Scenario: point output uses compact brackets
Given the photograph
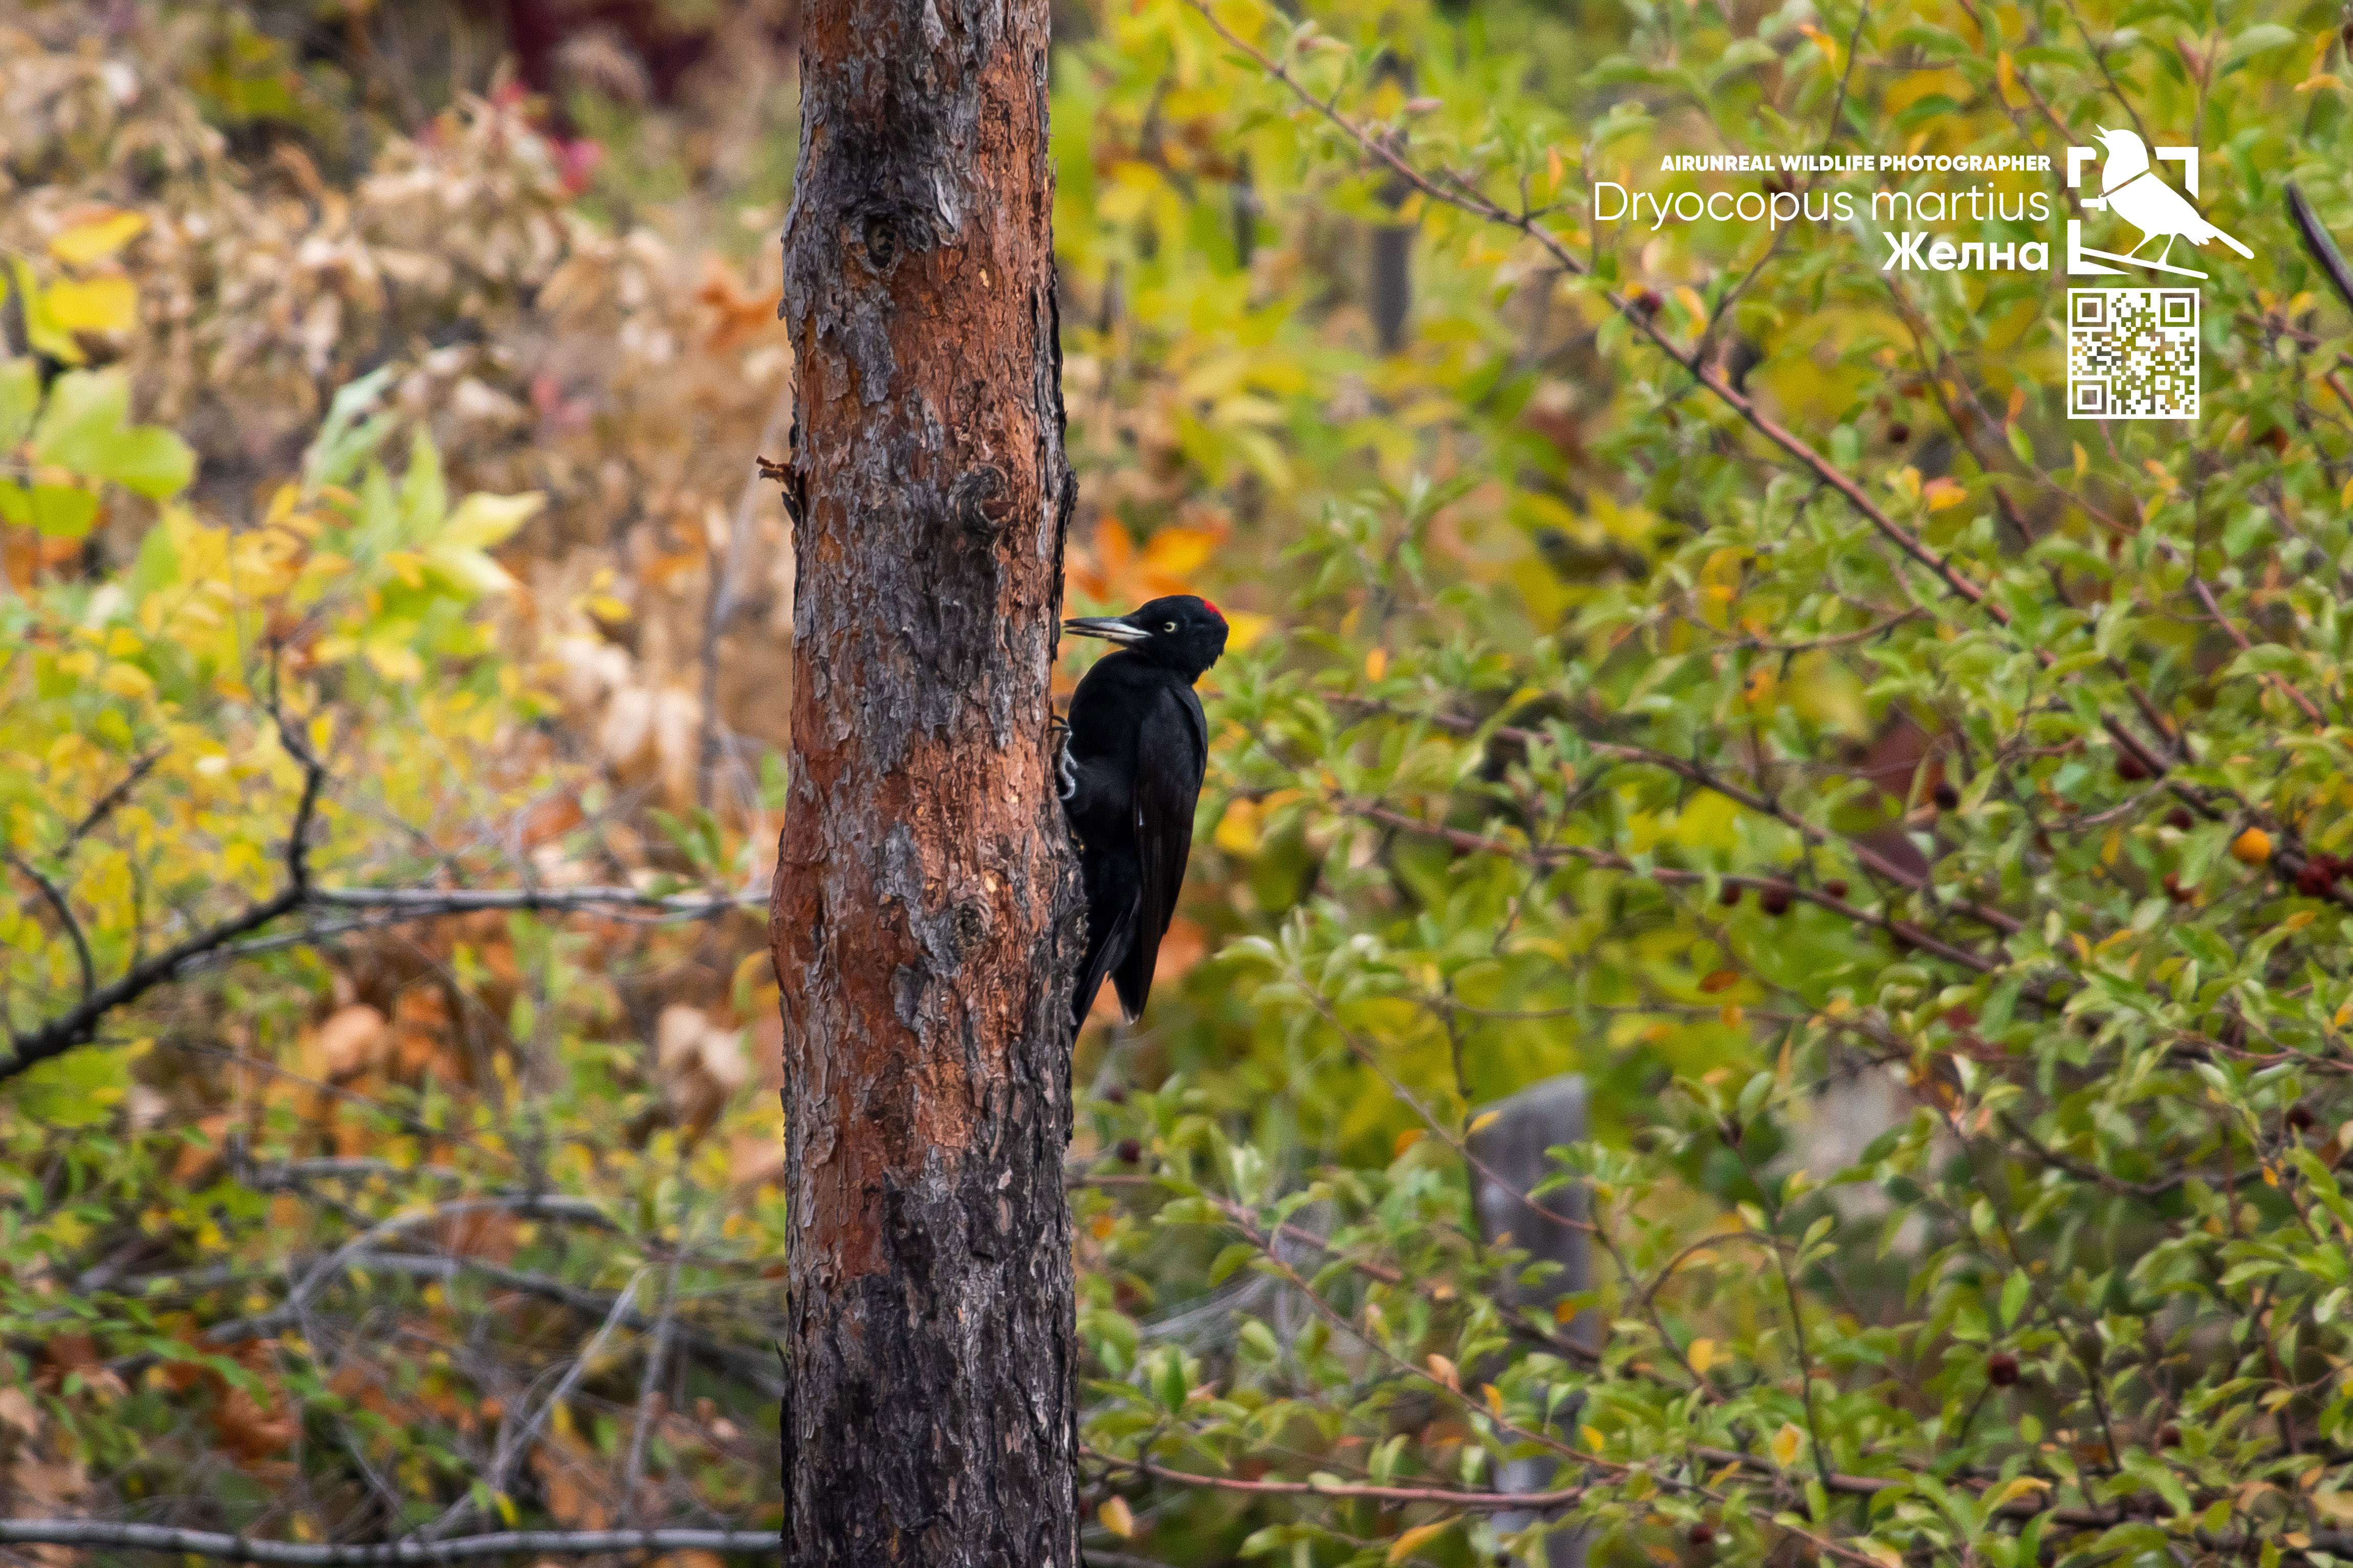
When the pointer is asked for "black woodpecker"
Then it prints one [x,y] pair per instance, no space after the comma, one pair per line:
[1131,770]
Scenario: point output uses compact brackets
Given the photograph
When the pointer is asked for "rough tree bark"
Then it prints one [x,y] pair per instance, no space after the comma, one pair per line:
[926,918]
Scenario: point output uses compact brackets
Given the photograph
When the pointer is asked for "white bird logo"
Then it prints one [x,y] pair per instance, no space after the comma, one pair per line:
[2129,188]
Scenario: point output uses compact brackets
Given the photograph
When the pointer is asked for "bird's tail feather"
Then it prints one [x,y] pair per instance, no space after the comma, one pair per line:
[1133,977]
[1106,945]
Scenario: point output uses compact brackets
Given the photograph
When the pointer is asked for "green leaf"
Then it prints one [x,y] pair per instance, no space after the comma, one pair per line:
[85,427]
[87,408]
[2254,41]
[345,440]
[80,1088]
[20,399]
[1237,1256]
[2013,1298]
[64,512]
[152,461]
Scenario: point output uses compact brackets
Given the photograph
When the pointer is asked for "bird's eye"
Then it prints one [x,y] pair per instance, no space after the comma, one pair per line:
[1169,627]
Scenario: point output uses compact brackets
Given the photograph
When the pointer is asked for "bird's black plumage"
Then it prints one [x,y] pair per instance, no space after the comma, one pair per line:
[1131,767]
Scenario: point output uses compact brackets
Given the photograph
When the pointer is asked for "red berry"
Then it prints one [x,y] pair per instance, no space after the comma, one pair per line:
[1835,887]
[2300,1117]
[1646,303]
[1130,1150]
[1115,1095]
[2002,1369]
[2169,1435]
[1701,1533]
[2180,817]
[1729,895]
[1898,433]
[1774,899]
[2129,768]
[1947,797]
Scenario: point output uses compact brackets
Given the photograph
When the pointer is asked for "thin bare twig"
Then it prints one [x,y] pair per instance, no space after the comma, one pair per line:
[1353,1491]
[229,1548]
[57,901]
[104,806]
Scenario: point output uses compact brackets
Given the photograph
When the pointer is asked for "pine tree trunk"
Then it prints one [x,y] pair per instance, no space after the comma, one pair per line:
[927,918]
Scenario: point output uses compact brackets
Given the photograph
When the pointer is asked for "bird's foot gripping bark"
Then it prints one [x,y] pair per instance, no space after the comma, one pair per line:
[1066,767]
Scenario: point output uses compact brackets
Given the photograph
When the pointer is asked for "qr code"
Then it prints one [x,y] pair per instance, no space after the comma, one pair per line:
[2132,353]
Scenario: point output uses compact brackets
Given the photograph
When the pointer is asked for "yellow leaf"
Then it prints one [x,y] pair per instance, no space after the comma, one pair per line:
[1942,493]
[2015,1487]
[1592,1436]
[1376,663]
[1492,1395]
[1485,1119]
[1787,1445]
[1237,831]
[1405,1545]
[1405,1141]
[1243,629]
[1701,1355]
[98,305]
[1444,1370]
[98,238]
[1179,552]
[1118,1517]
[125,680]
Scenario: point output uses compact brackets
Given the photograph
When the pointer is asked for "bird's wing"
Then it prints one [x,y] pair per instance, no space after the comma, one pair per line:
[1172,750]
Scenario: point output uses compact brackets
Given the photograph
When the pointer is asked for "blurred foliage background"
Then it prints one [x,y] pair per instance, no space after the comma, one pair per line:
[1703,662]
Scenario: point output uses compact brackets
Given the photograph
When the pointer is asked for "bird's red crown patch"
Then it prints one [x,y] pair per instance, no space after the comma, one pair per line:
[1213,609]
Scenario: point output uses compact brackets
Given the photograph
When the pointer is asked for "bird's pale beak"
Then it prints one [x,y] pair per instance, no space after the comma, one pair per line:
[1111,629]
